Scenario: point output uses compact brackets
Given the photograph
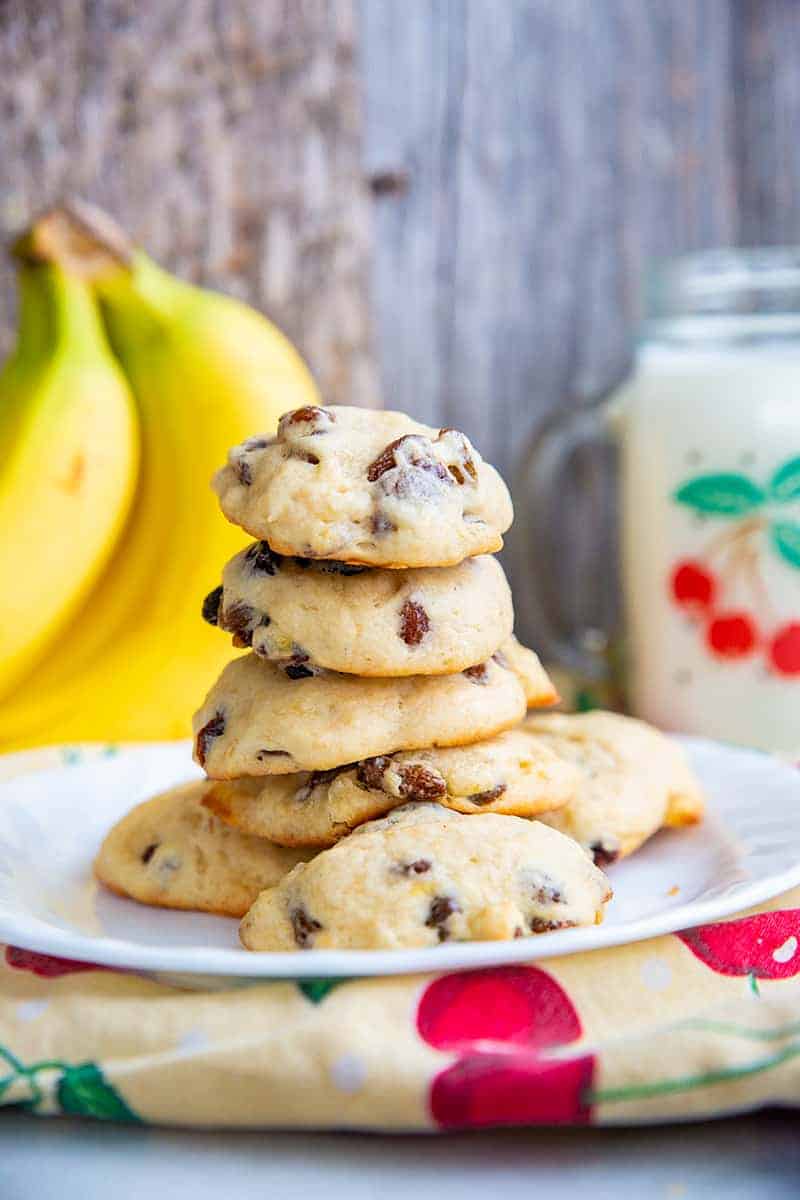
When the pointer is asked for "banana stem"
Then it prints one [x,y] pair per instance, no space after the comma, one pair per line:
[87,245]
[81,238]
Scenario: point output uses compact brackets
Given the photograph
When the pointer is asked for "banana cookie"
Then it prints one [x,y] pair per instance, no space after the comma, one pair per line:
[259,719]
[503,775]
[172,852]
[362,486]
[635,780]
[425,875]
[363,621]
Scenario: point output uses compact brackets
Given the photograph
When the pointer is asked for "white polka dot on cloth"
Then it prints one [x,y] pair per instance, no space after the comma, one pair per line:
[348,1073]
[656,974]
[29,1010]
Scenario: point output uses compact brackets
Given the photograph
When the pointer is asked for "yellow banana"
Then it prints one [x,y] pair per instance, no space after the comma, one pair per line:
[206,372]
[69,449]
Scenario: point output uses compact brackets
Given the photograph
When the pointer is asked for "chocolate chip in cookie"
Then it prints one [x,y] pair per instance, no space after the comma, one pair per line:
[481,798]
[603,855]
[370,772]
[211,730]
[262,560]
[442,908]
[333,567]
[211,606]
[315,780]
[465,464]
[414,622]
[299,665]
[477,674]
[539,925]
[319,418]
[242,620]
[304,927]
[420,866]
[420,783]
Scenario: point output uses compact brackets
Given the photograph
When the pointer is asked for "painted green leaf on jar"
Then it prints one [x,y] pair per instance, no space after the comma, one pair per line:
[725,494]
[786,540]
[785,483]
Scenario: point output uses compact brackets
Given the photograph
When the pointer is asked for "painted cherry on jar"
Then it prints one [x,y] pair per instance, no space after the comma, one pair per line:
[501,1022]
[784,649]
[732,635]
[754,522]
[693,585]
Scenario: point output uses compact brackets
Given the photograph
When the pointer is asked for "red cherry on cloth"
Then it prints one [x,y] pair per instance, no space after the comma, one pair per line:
[732,635]
[512,1089]
[693,584]
[519,1005]
[784,649]
[767,945]
[46,965]
[503,1021]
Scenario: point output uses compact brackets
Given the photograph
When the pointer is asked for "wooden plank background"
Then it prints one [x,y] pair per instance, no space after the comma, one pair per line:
[449,204]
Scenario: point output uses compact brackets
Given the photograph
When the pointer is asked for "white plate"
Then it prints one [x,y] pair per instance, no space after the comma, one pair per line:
[51,823]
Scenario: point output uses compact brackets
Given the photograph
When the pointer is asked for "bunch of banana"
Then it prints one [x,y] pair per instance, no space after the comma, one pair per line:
[69,452]
[206,372]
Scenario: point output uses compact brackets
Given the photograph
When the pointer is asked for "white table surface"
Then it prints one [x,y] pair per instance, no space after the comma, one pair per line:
[750,1158]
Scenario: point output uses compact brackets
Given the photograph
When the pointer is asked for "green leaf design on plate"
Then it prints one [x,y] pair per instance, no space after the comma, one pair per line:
[786,540]
[84,1091]
[316,990]
[785,483]
[725,494]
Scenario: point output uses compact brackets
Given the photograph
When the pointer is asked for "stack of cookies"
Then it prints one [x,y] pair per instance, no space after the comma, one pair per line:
[371,773]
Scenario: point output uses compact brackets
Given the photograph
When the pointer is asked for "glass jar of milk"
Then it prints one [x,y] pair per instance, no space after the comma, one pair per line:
[703,441]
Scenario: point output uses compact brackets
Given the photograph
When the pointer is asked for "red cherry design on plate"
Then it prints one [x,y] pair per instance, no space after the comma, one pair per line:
[693,585]
[501,1022]
[767,945]
[46,965]
[784,649]
[732,635]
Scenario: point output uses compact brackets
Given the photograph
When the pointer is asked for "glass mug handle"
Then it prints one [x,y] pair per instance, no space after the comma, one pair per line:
[568,494]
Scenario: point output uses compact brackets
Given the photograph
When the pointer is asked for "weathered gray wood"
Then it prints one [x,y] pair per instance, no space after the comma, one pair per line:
[768,120]
[551,148]
[226,136]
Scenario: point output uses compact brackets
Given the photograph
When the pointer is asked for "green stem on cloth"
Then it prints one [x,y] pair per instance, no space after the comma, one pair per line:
[647,1091]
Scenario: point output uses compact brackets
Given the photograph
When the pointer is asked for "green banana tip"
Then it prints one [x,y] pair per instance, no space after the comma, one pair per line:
[78,236]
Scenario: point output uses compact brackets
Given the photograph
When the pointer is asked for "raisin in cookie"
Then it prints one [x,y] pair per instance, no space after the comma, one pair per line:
[505,775]
[172,852]
[363,621]
[365,487]
[635,780]
[425,875]
[259,719]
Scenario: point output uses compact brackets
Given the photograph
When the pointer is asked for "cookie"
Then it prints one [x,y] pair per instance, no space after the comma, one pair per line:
[363,621]
[259,719]
[368,487]
[635,780]
[501,775]
[172,852]
[425,875]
